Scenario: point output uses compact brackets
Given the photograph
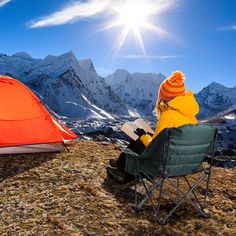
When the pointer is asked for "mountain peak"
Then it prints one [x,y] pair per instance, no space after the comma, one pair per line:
[161,75]
[214,98]
[22,55]
[69,54]
[87,63]
[123,71]
[215,85]
[120,73]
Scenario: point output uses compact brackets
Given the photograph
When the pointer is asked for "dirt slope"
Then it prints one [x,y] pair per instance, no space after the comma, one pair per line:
[68,194]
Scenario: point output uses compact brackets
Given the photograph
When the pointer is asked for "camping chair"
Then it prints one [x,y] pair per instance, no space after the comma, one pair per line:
[176,153]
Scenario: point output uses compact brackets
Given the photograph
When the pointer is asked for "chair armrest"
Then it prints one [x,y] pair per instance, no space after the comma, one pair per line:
[128,151]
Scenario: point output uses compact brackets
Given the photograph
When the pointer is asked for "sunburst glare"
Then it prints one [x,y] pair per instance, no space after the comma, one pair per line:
[135,15]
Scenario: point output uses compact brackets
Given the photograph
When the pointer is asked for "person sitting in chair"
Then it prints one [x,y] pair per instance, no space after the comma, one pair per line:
[174,107]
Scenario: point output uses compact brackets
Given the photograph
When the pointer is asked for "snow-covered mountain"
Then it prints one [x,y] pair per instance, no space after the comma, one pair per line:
[226,124]
[215,98]
[70,87]
[138,90]
[218,107]
[18,64]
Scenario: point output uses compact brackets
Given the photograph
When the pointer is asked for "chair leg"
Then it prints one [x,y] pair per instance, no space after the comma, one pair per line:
[181,196]
[135,193]
[199,205]
[159,203]
[180,191]
[207,188]
[185,197]
[149,193]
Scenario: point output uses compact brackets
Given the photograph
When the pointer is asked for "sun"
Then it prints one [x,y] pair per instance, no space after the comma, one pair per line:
[134,16]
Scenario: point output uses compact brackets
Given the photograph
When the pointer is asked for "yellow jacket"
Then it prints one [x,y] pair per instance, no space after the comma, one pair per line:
[179,111]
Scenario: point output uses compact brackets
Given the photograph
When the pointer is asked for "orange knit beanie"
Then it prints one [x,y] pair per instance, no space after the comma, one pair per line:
[173,86]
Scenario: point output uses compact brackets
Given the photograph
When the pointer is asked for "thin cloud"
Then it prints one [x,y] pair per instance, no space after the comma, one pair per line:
[228,28]
[71,13]
[141,56]
[3,2]
[83,10]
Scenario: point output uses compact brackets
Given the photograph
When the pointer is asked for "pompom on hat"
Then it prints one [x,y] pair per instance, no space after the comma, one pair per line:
[172,87]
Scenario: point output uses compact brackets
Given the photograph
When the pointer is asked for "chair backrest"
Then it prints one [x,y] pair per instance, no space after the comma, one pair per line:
[178,151]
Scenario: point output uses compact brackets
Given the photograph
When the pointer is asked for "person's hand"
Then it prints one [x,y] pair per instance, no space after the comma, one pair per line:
[140,132]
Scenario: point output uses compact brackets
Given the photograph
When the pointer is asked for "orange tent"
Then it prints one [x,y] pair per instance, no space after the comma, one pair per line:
[25,124]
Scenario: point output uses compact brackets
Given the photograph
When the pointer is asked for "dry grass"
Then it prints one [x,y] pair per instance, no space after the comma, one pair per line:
[68,194]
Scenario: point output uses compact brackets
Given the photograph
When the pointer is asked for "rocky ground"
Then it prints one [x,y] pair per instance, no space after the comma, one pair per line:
[68,194]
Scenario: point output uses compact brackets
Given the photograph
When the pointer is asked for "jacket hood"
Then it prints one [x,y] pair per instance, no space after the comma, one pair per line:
[186,104]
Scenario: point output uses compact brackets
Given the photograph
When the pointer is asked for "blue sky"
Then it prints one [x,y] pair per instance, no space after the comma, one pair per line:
[195,36]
